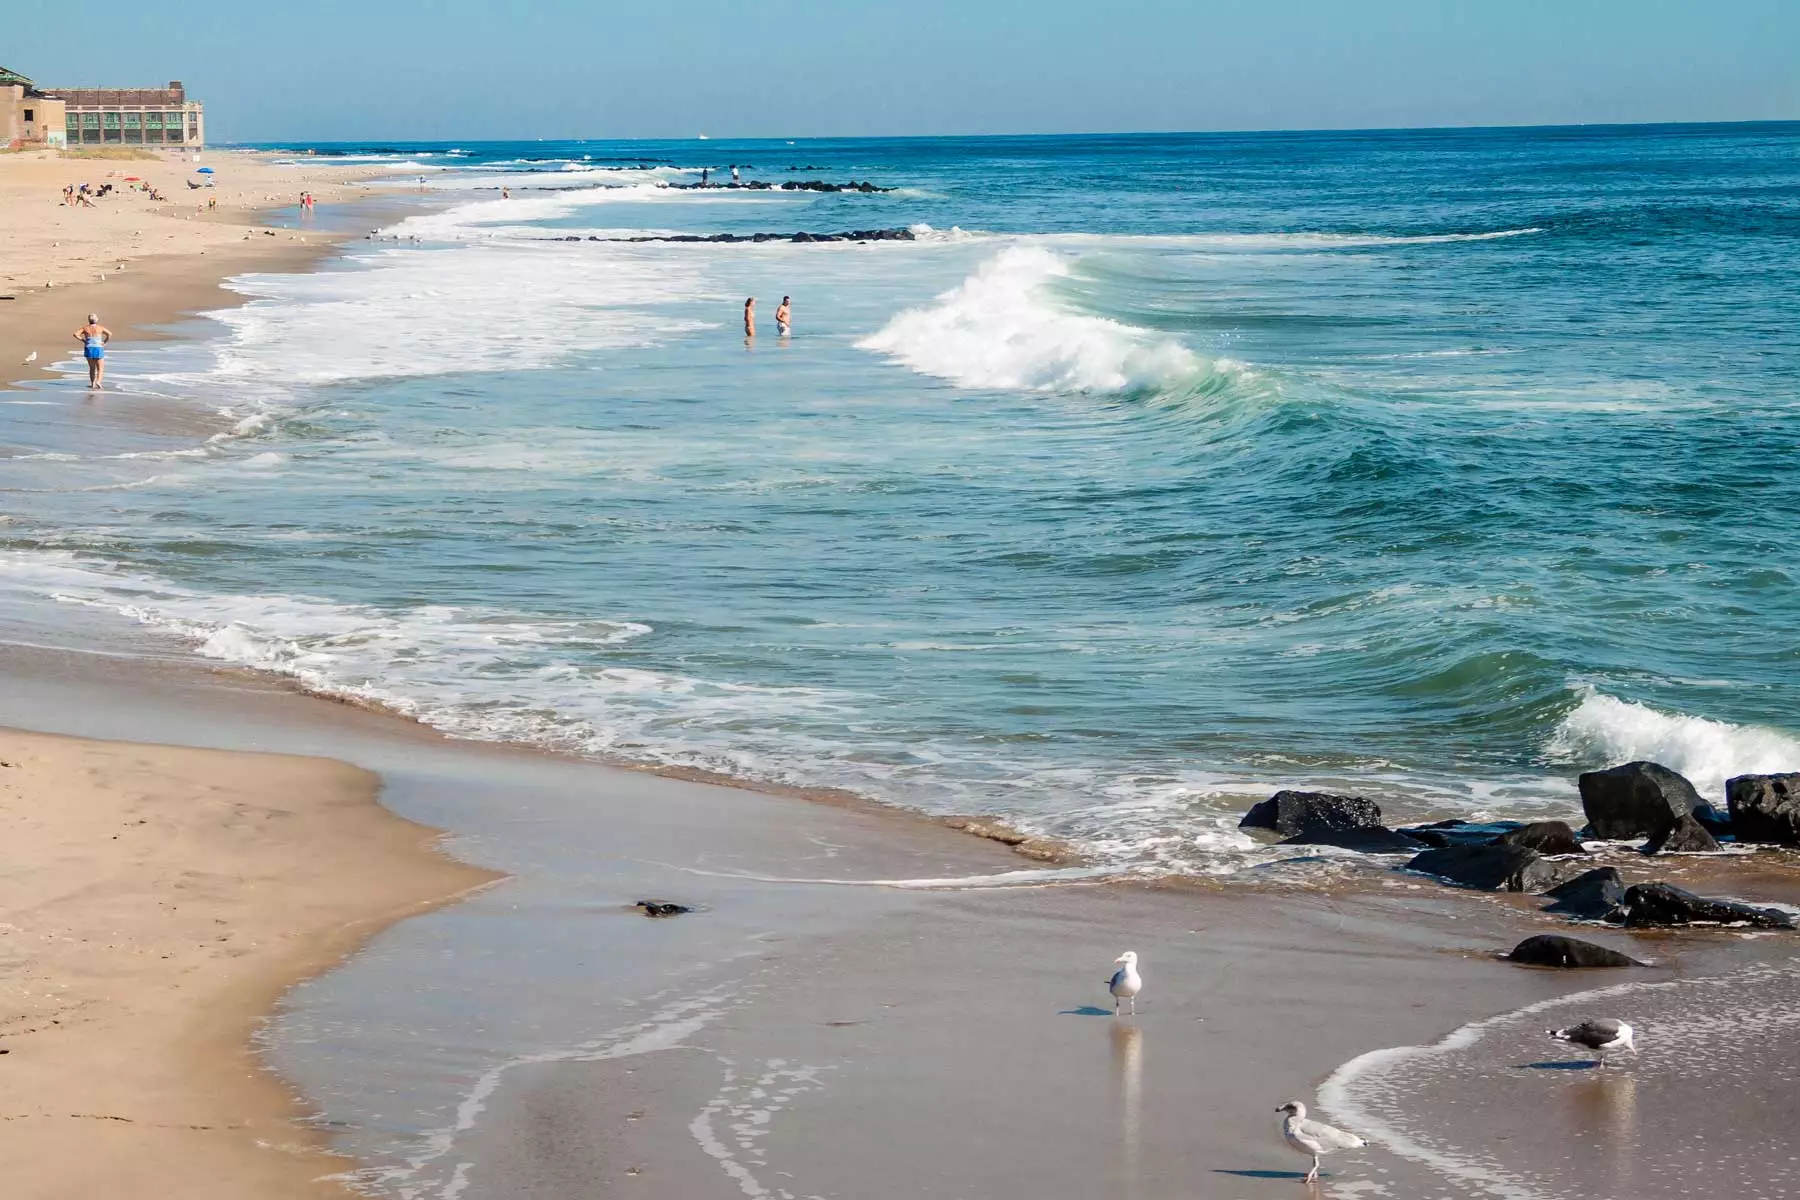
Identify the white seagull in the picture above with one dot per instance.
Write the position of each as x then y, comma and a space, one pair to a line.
1125, 983
32, 357
1599, 1036
1313, 1137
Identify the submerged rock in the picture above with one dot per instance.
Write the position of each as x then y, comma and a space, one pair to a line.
1638, 799
1546, 837
1765, 808
1293, 813
1460, 833
1685, 836
1590, 896
1377, 839
1554, 950
1654, 905
1492, 867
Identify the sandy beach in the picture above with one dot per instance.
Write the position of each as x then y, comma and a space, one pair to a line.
156, 902
140, 262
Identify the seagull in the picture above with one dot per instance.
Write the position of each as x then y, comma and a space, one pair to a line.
1599, 1036
31, 358
1313, 1137
1125, 983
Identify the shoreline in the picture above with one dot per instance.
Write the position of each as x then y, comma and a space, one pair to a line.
163, 900
63, 263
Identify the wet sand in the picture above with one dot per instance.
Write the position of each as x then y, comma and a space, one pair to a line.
155, 902
832, 1022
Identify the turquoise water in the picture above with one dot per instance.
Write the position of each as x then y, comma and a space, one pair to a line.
1154, 473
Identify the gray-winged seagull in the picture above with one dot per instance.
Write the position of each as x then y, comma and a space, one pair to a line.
1125, 983
1313, 1138
1598, 1035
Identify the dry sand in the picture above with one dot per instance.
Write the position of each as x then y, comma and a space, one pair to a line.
155, 902
136, 261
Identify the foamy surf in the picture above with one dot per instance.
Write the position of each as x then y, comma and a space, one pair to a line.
1604, 730
1001, 328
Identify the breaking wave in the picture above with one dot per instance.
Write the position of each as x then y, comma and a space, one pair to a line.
1603, 731
1000, 328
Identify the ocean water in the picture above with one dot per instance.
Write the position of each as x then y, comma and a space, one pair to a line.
1152, 474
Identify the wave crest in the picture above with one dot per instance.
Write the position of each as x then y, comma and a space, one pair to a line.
999, 329
1603, 731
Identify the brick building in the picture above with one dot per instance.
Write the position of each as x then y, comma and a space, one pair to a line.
28, 117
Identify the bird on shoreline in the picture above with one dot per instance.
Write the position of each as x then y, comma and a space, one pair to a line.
1598, 1035
1125, 983
1313, 1138
31, 358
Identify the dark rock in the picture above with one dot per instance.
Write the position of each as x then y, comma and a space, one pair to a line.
1685, 836
1491, 867
1554, 950
1651, 905
1639, 799
1365, 839
1765, 808
1590, 896
1294, 813
1546, 837
662, 908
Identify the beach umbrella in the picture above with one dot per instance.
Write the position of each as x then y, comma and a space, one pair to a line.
203, 170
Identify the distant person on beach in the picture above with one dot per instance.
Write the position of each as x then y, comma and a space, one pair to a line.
750, 317
704, 172
506, 193
93, 338
734, 174
783, 318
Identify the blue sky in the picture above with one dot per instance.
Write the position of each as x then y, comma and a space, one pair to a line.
355, 69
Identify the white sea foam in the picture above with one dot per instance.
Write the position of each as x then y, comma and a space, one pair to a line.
1001, 328
412, 312
1603, 731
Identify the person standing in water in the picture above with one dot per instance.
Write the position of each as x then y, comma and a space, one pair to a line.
750, 317
783, 318
93, 338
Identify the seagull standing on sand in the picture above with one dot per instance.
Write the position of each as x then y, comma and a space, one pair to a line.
1313, 1137
1598, 1035
1125, 983
31, 358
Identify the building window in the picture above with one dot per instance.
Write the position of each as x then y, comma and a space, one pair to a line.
153, 120
90, 120
109, 120
31, 114
133, 120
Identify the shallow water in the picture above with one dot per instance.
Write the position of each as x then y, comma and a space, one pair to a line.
1715, 1054
1156, 473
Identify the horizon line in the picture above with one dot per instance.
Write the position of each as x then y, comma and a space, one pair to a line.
896, 137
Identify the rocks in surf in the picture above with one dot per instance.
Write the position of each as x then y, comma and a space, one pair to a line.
1660, 905
1765, 808
1493, 867
1685, 836
1548, 838
1555, 950
1590, 896
1638, 799
1294, 813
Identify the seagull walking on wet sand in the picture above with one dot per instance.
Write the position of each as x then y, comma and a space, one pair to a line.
1313, 1138
1599, 1035
31, 358
1125, 983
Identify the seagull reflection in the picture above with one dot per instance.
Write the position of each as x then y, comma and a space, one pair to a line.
1128, 1081
1603, 1109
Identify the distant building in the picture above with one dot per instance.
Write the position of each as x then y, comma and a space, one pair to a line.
28, 117
150, 117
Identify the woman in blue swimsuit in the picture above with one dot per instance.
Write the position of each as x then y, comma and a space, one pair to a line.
93, 338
